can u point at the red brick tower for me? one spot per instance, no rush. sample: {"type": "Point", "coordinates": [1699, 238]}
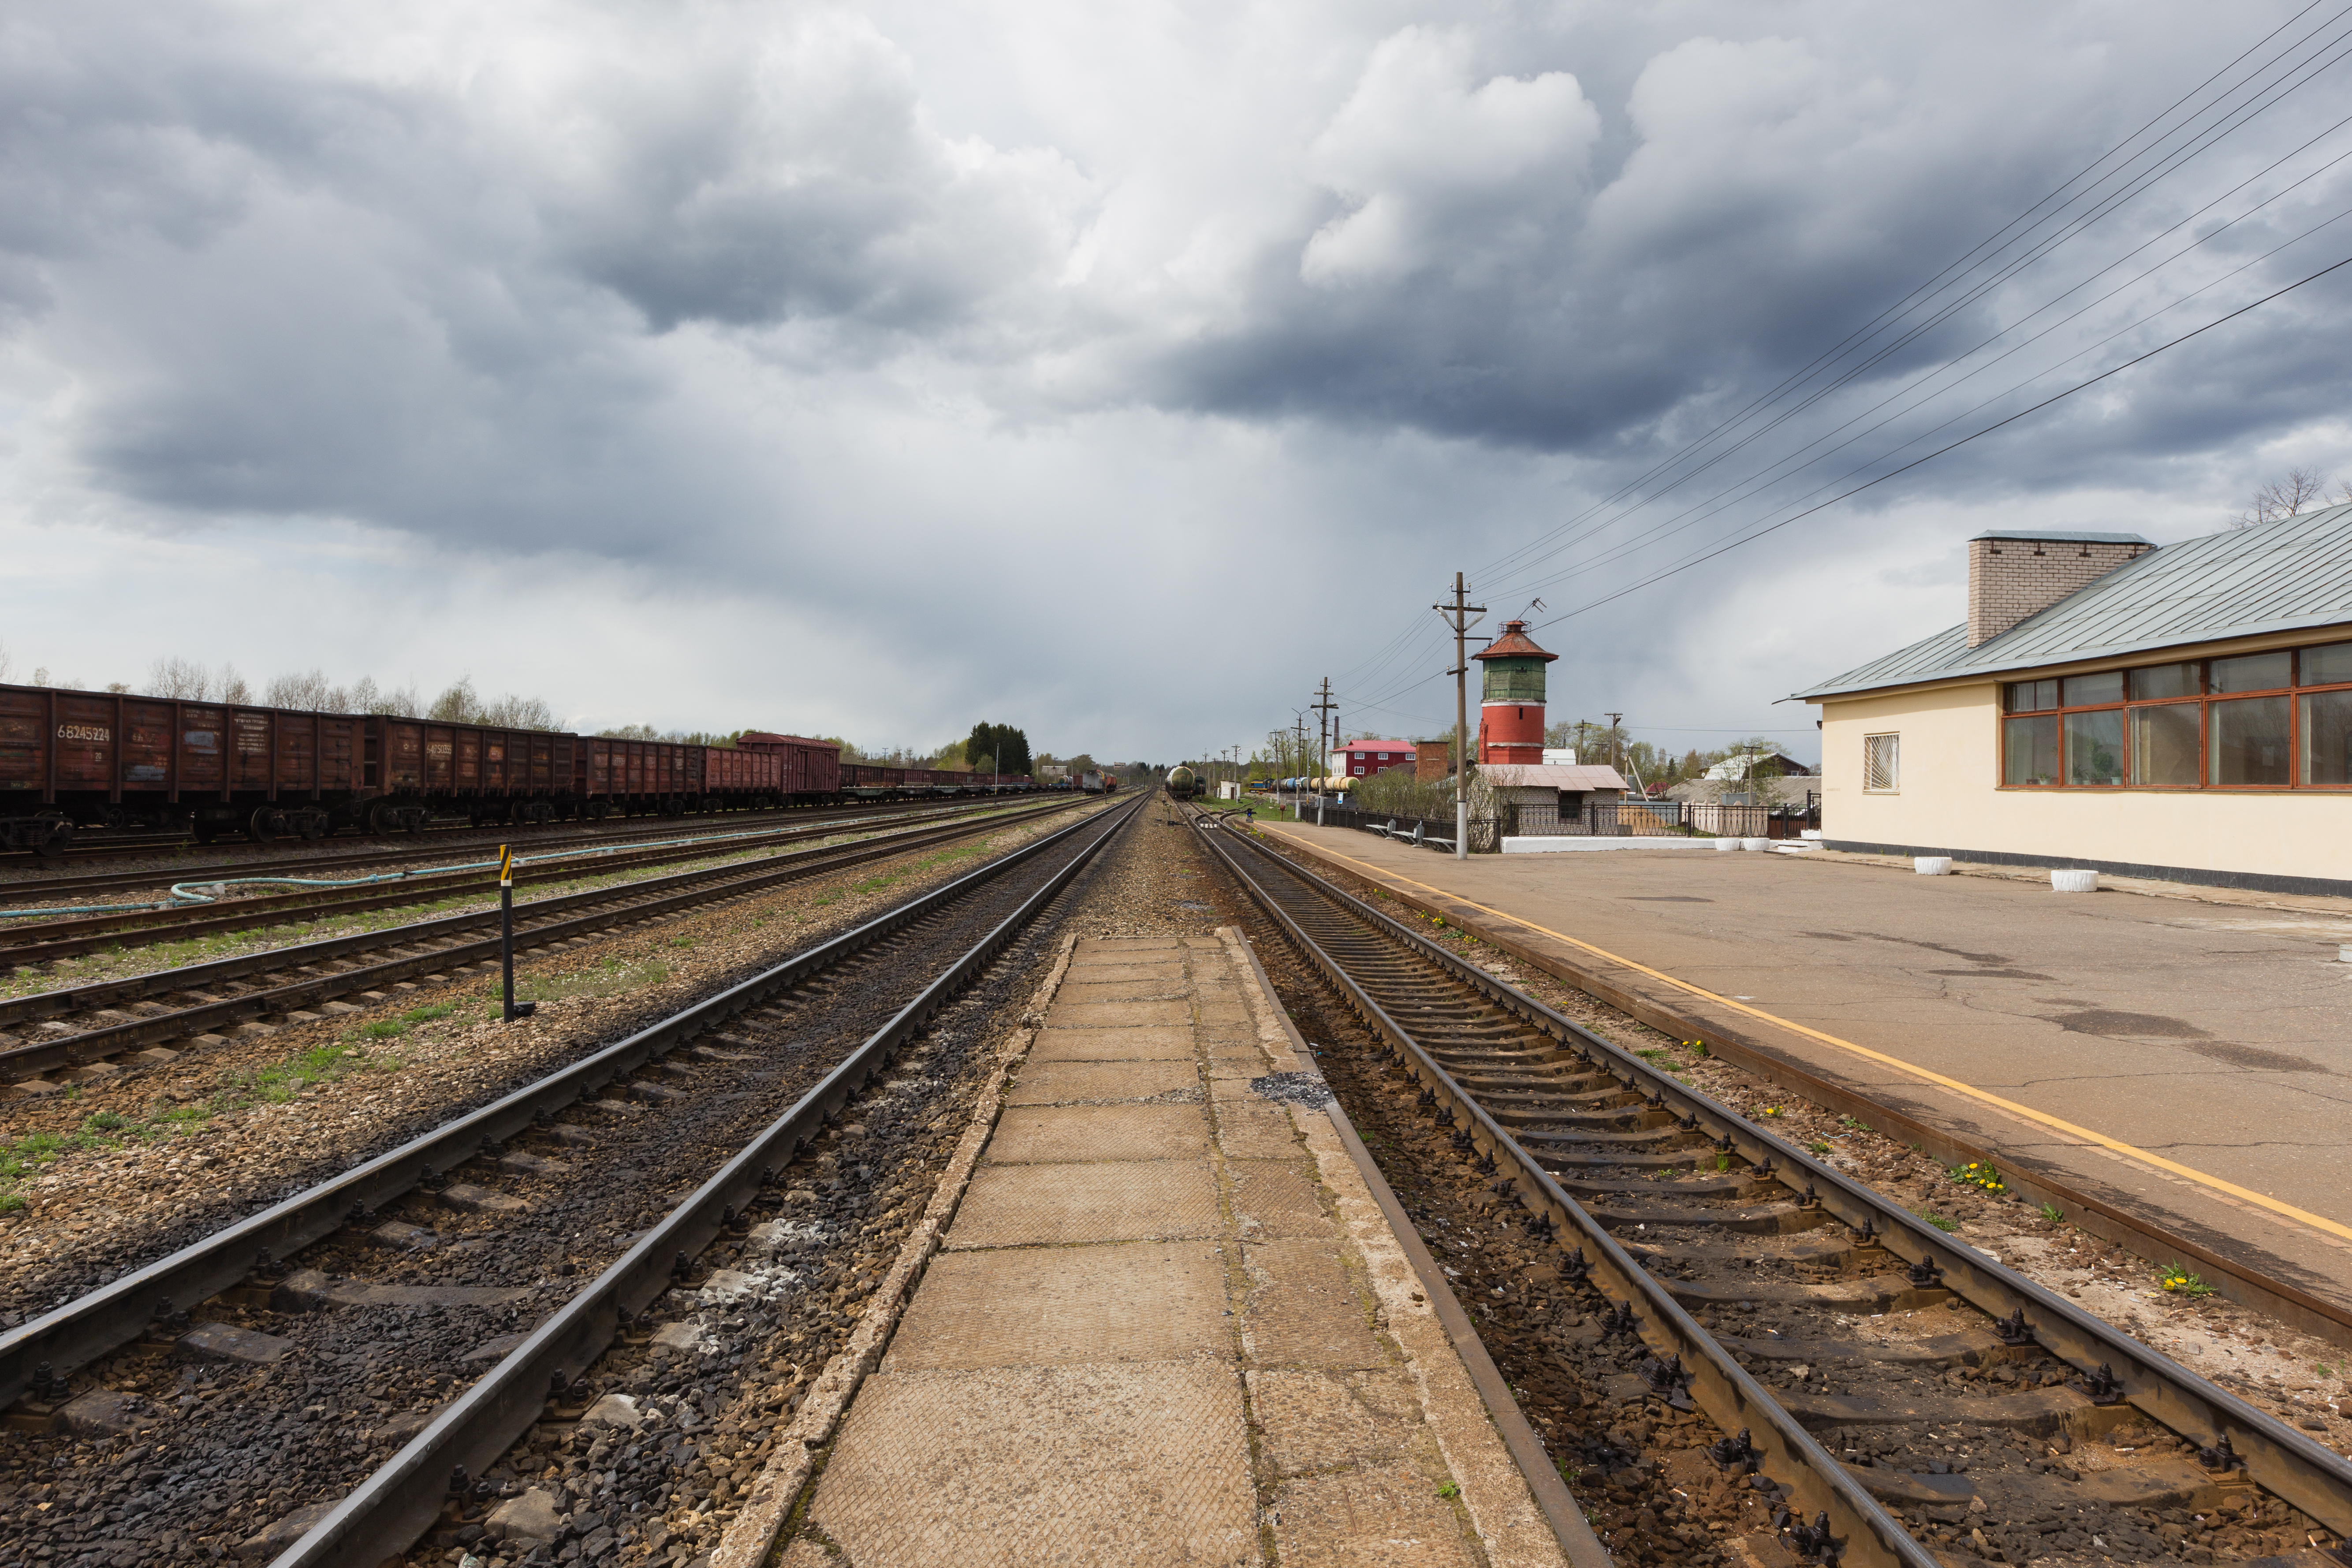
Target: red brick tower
{"type": "Point", "coordinates": [1511, 702]}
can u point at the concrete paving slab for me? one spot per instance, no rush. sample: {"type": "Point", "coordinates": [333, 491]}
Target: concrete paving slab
{"type": "Point", "coordinates": [1063, 1465]}
{"type": "Point", "coordinates": [1066, 1384]}
{"type": "Point", "coordinates": [1124, 990]}
{"type": "Point", "coordinates": [1054, 1083]}
{"type": "Point", "coordinates": [1387, 1515]}
{"type": "Point", "coordinates": [2190, 1050]}
{"type": "Point", "coordinates": [1050, 1133]}
{"type": "Point", "coordinates": [1175, 1044]}
{"type": "Point", "coordinates": [1137, 1301]}
{"type": "Point", "coordinates": [1118, 1014]}
{"type": "Point", "coordinates": [1255, 1129]}
{"type": "Point", "coordinates": [1303, 1310]}
{"type": "Point", "coordinates": [1320, 1420]}
{"type": "Point", "coordinates": [1274, 1198]}
{"type": "Point", "coordinates": [1021, 1205]}
{"type": "Point", "coordinates": [1105, 973]}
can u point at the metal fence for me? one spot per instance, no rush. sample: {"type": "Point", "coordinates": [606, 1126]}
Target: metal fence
{"type": "Point", "coordinates": [1657, 818]}
{"type": "Point", "coordinates": [1484, 839]}
{"type": "Point", "coordinates": [1600, 819]}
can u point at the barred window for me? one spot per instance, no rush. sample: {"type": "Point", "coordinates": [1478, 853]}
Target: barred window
{"type": "Point", "coordinates": [1882, 762]}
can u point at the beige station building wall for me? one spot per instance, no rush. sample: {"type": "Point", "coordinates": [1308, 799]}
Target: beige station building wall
{"type": "Point", "coordinates": [1948, 799]}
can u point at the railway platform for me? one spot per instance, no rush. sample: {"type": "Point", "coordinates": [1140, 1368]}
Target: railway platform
{"type": "Point", "coordinates": [1172, 1315]}
{"type": "Point", "coordinates": [2177, 1061]}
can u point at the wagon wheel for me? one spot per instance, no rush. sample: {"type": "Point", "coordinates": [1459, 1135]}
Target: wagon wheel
{"type": "Point", "coordinates": [54, 844]}
{"type": "Point", "coordinates": [261, 828]}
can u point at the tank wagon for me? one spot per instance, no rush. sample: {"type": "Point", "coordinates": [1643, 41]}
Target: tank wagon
{"type": "Point", "coordinates": [90, 759]}
{"type": "Point", "coordinates": [1183, 782]}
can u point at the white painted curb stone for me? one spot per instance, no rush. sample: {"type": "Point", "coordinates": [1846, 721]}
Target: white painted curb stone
{"type": "Point", "coordinates": [2075, 881]}
{"type": "Point", "coordinates": [1932, 865]}
{"type": "Point", "coordinates": [1758, 845]}
{"type": "Point", "coordinates": [1727, 844]}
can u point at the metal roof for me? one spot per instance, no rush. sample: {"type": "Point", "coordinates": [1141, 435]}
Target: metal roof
{"type": "Point", "coordinates": [1513, 643]}
{"type": "Point", "coordinates": [2285, 575]}
{"type": "Point", "coordinates": [1526, 776]}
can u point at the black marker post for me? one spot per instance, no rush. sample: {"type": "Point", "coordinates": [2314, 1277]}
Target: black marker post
{"type": "Point", "coordinates": [506, 933]}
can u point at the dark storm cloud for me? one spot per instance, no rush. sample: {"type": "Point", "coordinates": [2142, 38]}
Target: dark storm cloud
{"type": "Point", "coordinates": [947, 311]}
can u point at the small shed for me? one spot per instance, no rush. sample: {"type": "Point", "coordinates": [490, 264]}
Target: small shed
{"type": "Point", "coordinates": [1570, 788]}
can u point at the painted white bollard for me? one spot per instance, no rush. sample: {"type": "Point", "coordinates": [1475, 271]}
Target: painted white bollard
{"type": "Point", "coordinates": [1932, 865]}
{"type": "Point", "coordinates": [1809, 833]}
{"type": "Point", "coordinates": [2075, 881]}
{"type": "Point", "coordinates": [2344, 952]}
{"type": "Point", "coordinates": [1758, 845]}
{"type": "Point", "coordinates": [1723, 844]}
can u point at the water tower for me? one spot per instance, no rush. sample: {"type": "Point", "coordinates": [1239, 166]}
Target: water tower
{"type": "Point", "coordinates": [1511, 699]}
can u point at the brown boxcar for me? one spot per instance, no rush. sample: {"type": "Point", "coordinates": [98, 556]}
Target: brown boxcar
{"type": "Point", "coordinates": [110, 759]}
{"type": "Point", "coordinates": [811, 770]}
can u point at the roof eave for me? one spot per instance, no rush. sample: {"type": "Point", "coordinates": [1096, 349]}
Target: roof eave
{"type": "Point", "coordinates": [1951, 673]}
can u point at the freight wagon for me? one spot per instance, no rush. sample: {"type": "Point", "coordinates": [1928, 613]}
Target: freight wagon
{"type": "Point", "coordinates": [82, 759]}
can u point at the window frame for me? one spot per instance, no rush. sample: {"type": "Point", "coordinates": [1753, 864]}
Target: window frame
{"type": "Point", "coordinates": [2204, 701]}
{"type": "Point", "coordinates": [1896, 787]}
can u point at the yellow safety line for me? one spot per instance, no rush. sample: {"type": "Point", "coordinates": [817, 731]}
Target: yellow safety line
{"type": "Point", "coordinates": [2316, 1222]}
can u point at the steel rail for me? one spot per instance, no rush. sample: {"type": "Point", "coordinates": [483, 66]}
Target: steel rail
{"type": "Point", "coordinates": [73, 884]}
{"type": "Point", "coordinates": [1732, 1399]}
{"type": "Point", "coordinates": [400, 1500]}
{"type": "Point", "coordinates": [607, 907]}
{"type": "Point", "coordinates": [33, 940]}
{"type": "Point", "coordinates": [104, 1320]}
{"type": "Point", "coordinates": [2281, 1460]}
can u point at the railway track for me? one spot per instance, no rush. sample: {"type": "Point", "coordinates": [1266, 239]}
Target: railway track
{"type": "Point", "coordinates": [1845, 1349]}
{"type": "Point", "coordinates": [46, 883]}
{"type": "Point", "coordinates": [152, 1019]}
{"type": "Point", "coordinates": [549, 1248]}
{"type": "Point", "coordinates": [36, 941]}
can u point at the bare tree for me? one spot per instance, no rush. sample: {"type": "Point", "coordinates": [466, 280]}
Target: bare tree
{"type": "Point", "coordinates": [309, 691]}
{"type": "Point", "coordinates": [6, 661]}
{"type": "Point", "coordinates": [2284, 498]}
{"type": "Point", "coordinates": [181, 678]}
{"type": "Point", "coordinates": [233, 686]}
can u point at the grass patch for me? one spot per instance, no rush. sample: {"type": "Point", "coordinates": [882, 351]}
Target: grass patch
{"type": "Point", "coordinates": [1938, 1221]}
{"type": "Point", "coordinates": [2052, 1212]}
{"type": "Point", "coordinates": [1818, 1147]}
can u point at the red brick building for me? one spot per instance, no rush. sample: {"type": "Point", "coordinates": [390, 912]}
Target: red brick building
{"type": "Point", "coordinates": [1362, 759]}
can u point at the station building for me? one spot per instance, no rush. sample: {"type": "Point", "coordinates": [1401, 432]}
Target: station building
{"type": "Point", "coordinates": [2181, 711]}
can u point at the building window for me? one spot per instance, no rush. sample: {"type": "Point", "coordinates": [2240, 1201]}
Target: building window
{"type": "Point", "coordinates": [2252, 721]}
{"type": "Point", "coordinates": [1882, 762]}
{"type": "Point", "coordinates": [1360, 770]}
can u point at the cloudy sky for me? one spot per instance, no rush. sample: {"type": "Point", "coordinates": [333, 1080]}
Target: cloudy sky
{"type": "Point", "coordinates": [1121, 371]}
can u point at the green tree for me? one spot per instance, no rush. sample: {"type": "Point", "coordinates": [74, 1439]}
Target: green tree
{"type": "Point", "coordinates": [997, 748]}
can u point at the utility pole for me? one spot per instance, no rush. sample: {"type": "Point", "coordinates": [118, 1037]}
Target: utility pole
{"type": "Point", "coordinates": [1616, 746]}
{"type": "Point", "coordinates": [1457, 616]}
{"type": "Point", "coordinates": [1323, 707]}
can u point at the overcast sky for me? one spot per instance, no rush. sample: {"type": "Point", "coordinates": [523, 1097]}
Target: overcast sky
{"type": "Point", "coordinates": [1121, 370]}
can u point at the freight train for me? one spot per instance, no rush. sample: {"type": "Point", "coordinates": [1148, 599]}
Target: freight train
{"type": "Point", "coordinates": [72, 760]}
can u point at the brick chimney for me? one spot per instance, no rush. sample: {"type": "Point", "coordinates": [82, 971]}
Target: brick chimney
{"type": "Point", "coordinates": [2016, 573]}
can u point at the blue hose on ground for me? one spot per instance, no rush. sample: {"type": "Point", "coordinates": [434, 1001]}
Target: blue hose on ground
{"type": "Point", "coordinates": [186, 894]}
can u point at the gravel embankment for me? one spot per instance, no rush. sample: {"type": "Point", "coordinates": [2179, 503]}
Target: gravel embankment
{"type": "Point", "coordinates": [224, 1451]}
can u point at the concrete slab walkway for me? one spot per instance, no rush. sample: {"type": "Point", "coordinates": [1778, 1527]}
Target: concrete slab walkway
{"type": "Point", "coordinates": [1168, 1323]}
{"type": "Point", "coordinates": [2206, 1040]}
